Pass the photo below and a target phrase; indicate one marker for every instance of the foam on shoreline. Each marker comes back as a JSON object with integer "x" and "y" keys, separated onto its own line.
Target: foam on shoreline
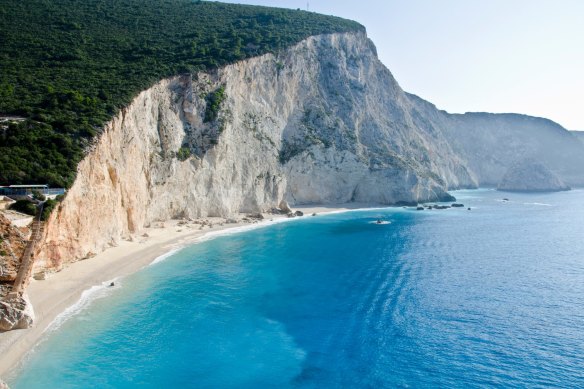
{"x": 165, "y": 256}
{"x": 88, "y": 296}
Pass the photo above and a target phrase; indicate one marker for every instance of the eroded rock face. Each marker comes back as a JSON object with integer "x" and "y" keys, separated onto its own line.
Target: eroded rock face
{"x": 16, "y": 314}
{"x": 284, "y": 206}
{"x": 490, "y": 144}
{"x": 531, "y": 176}
{"x": 322, "y": 122}
{"x": 12, "y": 244}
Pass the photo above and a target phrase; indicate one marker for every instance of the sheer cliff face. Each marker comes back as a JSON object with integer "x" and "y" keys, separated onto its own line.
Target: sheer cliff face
{"x": 531, "y": 176}
{"x": 494, "y": 143}
{"x": 322, "y": 122}
{"x": 491, "y": 144}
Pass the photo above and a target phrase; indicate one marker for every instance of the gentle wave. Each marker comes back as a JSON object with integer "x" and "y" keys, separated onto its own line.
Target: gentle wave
{"x": 165, "y": 256}
{"x": 236, "y": 230}
{"x": 88, "y": 296}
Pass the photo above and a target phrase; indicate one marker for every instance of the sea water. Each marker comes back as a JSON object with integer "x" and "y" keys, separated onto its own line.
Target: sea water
{"x": 492, "y": 296}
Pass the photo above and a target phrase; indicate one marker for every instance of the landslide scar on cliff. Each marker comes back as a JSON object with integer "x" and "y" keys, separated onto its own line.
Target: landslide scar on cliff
{"x": 130, "y": 220}
{"x": 113, "y": 175}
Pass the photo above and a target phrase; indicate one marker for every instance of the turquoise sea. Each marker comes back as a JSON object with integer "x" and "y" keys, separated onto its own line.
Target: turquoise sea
{"x": 489, "y": 297}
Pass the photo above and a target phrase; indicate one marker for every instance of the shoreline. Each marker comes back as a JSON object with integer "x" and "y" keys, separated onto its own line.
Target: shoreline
{"x": 60, "y": 293}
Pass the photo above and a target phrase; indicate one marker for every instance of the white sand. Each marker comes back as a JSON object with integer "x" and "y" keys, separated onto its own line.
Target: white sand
{"x": 61, "y": 290}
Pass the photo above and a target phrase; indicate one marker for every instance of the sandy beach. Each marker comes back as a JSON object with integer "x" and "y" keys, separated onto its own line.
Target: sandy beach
{"x": 60, "y": 291}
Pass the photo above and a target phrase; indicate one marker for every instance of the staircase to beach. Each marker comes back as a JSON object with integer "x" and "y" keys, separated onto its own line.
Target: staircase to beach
{"x": 27, "y": 259}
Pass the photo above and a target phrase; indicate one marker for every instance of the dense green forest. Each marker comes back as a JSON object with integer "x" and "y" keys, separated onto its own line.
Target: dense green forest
{"x": 68, "y": 66}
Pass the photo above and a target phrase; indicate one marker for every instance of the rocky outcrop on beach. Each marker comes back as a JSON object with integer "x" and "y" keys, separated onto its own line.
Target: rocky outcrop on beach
{"x": 531, "y": 176}
{"x": 15, "y": 313}
{"x": 323, "y": 121}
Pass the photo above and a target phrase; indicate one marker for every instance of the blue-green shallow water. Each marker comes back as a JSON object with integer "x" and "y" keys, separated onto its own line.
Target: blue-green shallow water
{"x": 455, "y": 298}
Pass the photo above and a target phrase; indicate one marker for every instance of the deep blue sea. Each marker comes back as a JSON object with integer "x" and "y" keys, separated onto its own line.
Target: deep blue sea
{"x": 489, "y": 297}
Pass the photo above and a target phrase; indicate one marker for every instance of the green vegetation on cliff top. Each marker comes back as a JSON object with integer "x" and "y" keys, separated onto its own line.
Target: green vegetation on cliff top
{"x": 68, "y": 66}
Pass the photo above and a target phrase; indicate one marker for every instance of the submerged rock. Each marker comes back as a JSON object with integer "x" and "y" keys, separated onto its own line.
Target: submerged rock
{"x": 457, "y": 205}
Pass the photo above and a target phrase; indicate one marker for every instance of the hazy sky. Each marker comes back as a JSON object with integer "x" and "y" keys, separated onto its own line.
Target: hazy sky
{"x": 524, "y": 56}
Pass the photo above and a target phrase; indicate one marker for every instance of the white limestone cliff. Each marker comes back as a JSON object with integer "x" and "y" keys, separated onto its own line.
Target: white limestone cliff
{"x": 531, "y": 176}
{"x": 321, "y": 122}
{"x": 490, "y": 144}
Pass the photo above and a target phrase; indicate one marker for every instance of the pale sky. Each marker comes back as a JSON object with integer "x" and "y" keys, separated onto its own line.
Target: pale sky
{"x": 522, "y": 56}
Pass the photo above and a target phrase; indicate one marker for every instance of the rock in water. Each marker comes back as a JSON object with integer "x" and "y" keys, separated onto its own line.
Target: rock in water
{"x": 16, "y": 314}
{"x": 531, "y": 176}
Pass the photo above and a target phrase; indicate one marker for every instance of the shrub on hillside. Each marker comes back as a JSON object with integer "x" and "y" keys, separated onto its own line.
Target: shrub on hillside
{"x": 24, "y": 206}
